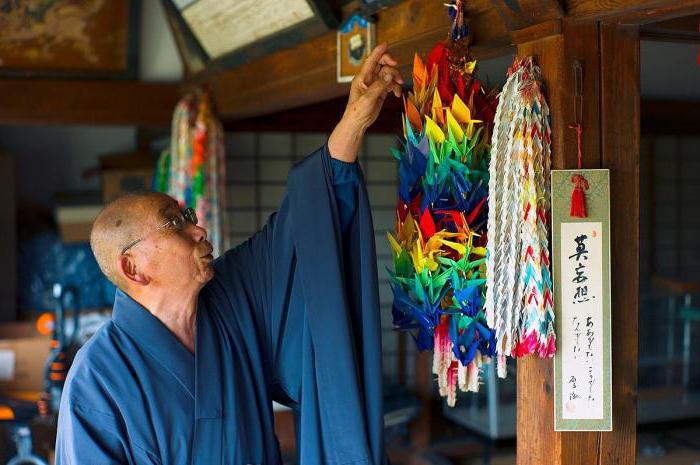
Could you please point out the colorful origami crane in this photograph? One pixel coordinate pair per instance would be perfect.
(439, 238)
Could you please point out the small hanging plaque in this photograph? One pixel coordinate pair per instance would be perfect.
(581, 253)
(356, 39)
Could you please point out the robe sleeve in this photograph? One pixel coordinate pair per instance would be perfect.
(87, 436)
(345, 186)
(319, 334)
(265, 259)
(90, 429)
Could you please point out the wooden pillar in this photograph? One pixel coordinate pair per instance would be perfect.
(8, 238)
(609, 54)
(620, 153)
(421, 427)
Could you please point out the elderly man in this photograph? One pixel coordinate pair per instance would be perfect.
(197, 349)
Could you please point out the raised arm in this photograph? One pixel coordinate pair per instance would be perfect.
(377, 78)
(310, 278)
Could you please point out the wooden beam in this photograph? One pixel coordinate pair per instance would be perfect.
(536, 31)
(519, 14)
(631, 12)
(421, 428)
(319, 117)
(619, 97)
(538, 443)
(65, 101)
(607, 99)
(670, 109)
(307, 73)
(8, 245)
(684, 30)
(670, 117)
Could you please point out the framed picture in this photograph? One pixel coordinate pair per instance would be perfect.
(226, 33)
(69, 38)
(355, 40)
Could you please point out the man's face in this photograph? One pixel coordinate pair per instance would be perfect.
(172, 257)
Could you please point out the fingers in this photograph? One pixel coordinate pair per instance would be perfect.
(388, 74)
(377, 91)
(379, 66)
(386, 59)
(368, 67)
(392, 79)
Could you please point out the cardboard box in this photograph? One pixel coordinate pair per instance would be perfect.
(75, 211)
(75, 221)
(23, 354)
(126, 172)
(116, 182)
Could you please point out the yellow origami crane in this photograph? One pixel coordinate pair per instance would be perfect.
(405, 234)
(423, 254)
(463, 115)
(433, 131)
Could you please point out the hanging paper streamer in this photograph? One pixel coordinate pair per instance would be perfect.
(194, 169)
(438, 243)
(459, 29)
(519, 285)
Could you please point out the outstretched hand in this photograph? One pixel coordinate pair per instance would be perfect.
(377, 78)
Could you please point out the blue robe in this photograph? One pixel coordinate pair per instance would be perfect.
(291, 315)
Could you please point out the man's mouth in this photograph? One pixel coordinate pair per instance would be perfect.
(209, 253)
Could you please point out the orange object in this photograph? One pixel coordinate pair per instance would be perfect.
(413, 115)
(6, 413)
(57, 366)
(45, 324)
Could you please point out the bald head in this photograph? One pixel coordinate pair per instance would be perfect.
(121, 222)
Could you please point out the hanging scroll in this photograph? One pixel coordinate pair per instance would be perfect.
(581, 253)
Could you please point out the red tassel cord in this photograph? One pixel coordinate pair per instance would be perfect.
(578, 195)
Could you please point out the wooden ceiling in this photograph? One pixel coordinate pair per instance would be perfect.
(413, 26)
(305, 74)
(685, 29)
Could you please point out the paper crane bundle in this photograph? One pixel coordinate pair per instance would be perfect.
(518, 280)
(438, 245)
(193, 170)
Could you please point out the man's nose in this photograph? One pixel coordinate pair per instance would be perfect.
(199, 234)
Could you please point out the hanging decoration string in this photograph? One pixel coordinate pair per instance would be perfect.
(193, 170)
(438, 243)
(518, 302)
(578, 194)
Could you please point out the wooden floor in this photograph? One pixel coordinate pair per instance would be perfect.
(663, 446)
(677, 457)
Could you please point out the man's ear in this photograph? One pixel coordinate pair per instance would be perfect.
(128, 269)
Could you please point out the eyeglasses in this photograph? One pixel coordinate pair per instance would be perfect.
(177, 223)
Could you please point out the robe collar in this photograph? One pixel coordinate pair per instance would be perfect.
(208, 366)
(155, 338)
